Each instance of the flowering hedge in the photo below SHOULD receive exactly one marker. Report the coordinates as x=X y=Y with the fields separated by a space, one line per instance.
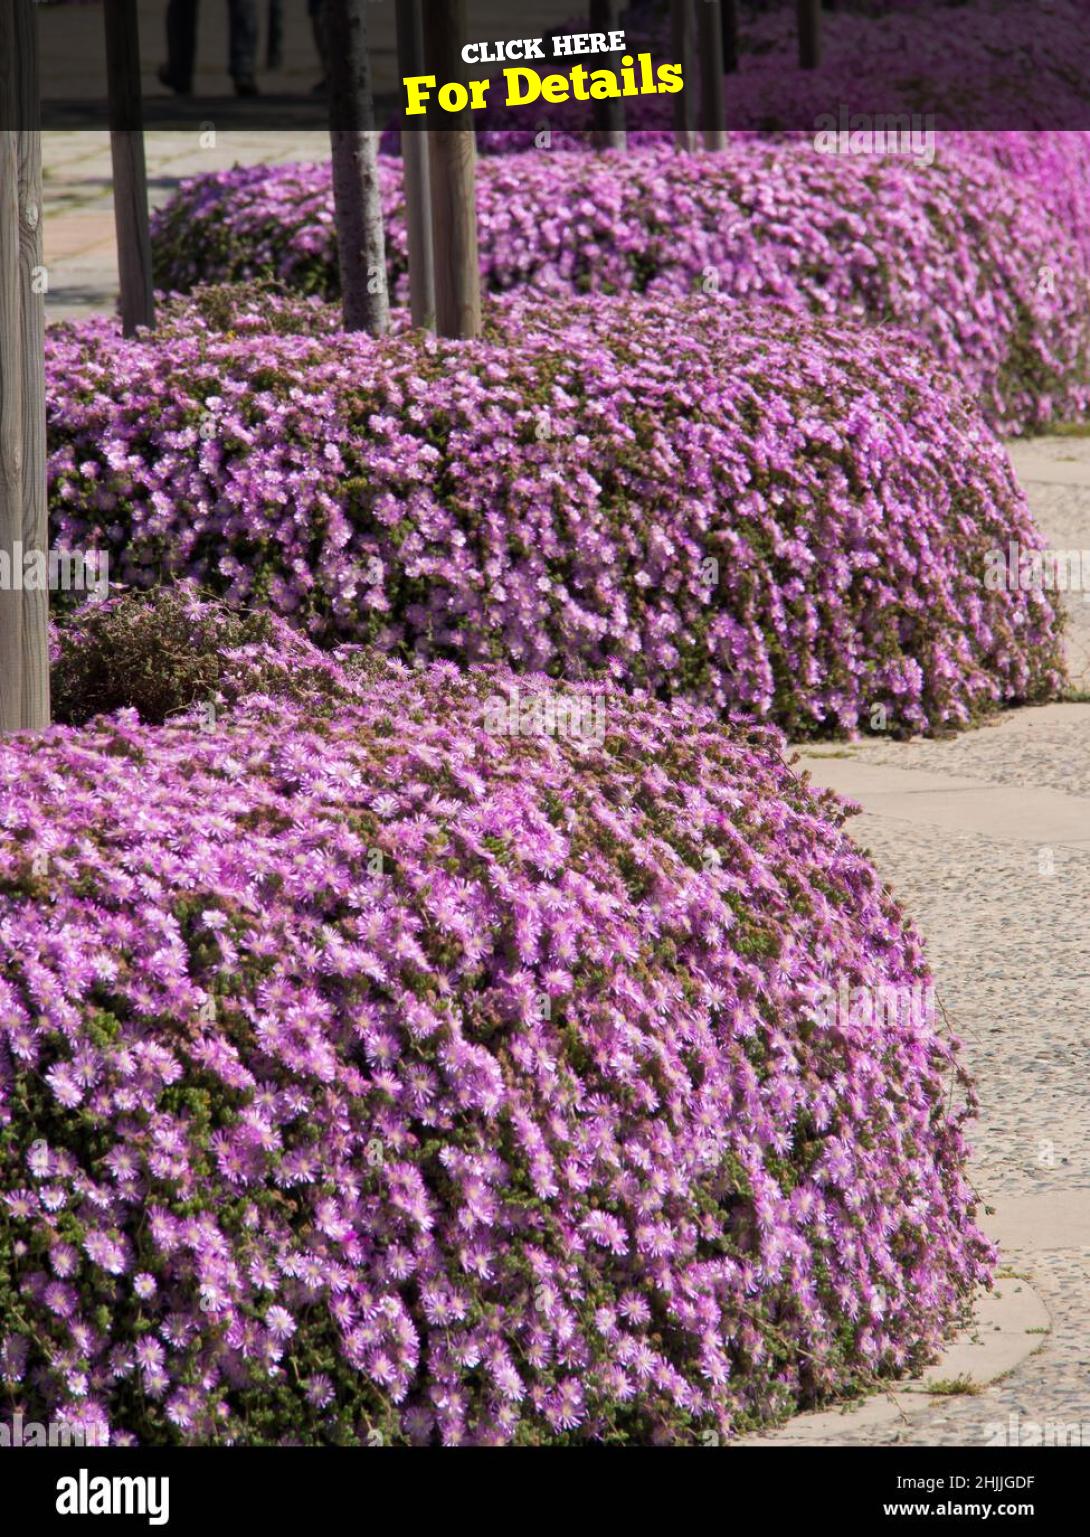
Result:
x=1054 y=168
x=791 y=520
x=962 y=255
x=366 y=1072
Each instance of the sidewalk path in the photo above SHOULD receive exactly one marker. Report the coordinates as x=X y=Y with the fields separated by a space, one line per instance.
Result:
x=80 y=253
x=986 y=840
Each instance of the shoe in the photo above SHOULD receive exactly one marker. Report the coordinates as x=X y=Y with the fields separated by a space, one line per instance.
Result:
x=179 y=87
x=246 y=85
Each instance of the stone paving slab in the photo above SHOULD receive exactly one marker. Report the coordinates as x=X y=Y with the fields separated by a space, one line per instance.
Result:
x=1047 y=818
x=1039 y=748
x=1010 y=951
x=1055 y=461
x=1055 y=473
x=1059 y=1220
x=78 y=222
x=1008 y=1329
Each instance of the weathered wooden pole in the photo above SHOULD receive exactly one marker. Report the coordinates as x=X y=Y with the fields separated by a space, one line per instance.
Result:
x=713 y=101
x=809 y=13
x=11 y=410
x=24 y=597
x=357 y=202
x=35 y=708
x=415 y=170
x=129 y=169
x=684 y=53
x=453 y=161
x=609 y=130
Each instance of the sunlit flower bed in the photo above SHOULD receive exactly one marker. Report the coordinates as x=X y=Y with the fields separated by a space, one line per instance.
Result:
x=370 y=1074
x=972 y=260
x=790 y=519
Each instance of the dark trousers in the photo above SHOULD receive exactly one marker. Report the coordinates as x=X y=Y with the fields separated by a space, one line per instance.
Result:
x=274 y=49
x=182 y=39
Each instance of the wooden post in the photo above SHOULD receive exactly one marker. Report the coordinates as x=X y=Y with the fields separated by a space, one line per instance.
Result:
x=35 y=709
x=684 y=53
x=728 y=11
x=609 y=129
x=453 y=161
x=11 y=408
x=809 y=12
x=24 y=599
x=414 y=162
x=129 y=170
x=713 y=102
x=357 y=202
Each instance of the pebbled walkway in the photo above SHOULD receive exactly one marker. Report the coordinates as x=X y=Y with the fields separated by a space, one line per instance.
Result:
x=986 y=839
x=77 y=195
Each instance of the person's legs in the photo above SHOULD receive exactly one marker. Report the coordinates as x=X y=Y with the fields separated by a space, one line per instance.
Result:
x=274 y=48
x=317 y=24
x=242 y=60
x=181 y=45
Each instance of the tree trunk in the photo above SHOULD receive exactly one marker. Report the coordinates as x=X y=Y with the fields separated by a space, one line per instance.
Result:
x=24 y=640
x=609 y=129
x=684 y=53
x=414 y=161
x=453 y=164
x=129 y=171
x=713 y=103
x=357 y=203
x=809 y=12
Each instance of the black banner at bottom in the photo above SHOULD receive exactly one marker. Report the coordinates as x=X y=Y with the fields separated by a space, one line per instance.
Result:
x=849 y=1489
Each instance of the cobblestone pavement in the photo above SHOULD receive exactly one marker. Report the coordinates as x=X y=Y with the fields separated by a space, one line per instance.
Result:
x=80 y=251
x=986 y=839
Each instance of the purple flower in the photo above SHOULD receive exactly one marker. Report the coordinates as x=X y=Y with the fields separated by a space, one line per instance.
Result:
x=281 y=1324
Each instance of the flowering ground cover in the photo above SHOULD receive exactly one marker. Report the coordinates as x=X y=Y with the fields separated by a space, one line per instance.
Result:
x=1054 y=168
x=791 y=519
x=365 y=1069
x=980 y=256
